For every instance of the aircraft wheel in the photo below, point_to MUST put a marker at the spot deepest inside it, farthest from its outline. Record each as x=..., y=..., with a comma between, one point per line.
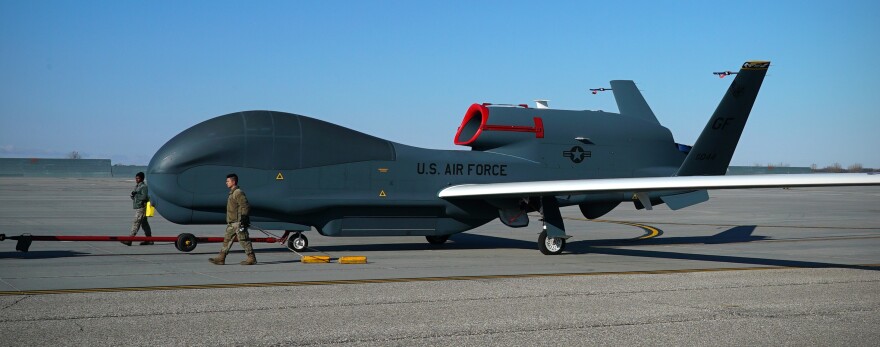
x=437, y=239
x=186, y=242
x=298, y=242
x=550, y=245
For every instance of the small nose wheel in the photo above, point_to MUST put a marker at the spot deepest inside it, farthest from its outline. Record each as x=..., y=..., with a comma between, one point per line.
x=550, y=245
x=437, y=239
x=298, y=242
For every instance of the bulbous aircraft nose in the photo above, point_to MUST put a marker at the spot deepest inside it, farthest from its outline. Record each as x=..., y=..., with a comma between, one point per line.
x=182, y=174
x=218, y=141
x=173, y=203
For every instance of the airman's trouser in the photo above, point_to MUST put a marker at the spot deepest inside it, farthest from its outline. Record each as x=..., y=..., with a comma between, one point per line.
x=243, y=239
x=140, y=220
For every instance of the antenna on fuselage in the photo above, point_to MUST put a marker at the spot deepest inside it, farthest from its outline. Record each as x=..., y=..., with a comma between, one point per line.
x=721, y=74
x=541, y=103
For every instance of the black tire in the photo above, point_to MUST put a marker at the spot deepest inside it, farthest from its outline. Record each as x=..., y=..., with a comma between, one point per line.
x=298, y=242
x=551, y=245
x=186, y=242
x=437, y=239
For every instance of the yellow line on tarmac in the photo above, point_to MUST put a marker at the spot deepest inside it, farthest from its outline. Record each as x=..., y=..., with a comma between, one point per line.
x=651, y=232
x=399, y=280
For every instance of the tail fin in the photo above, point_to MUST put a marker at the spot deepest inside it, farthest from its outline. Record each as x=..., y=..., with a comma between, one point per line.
x=630, y=101
x=714, y=148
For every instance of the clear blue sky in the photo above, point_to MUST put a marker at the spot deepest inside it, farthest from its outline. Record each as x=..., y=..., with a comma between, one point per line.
x=116, y=79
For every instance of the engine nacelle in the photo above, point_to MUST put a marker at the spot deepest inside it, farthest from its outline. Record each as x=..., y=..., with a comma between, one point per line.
x=508, y=125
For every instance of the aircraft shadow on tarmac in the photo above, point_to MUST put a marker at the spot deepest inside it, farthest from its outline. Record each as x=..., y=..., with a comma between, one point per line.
x=42, y=254
x=465, y=241
x=738, y=234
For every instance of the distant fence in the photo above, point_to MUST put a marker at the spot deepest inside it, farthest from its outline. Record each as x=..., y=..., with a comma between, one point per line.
x=38, y=167
x=127, y=170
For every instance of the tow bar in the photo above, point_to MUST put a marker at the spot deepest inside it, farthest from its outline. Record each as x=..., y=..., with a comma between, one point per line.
x=184, y=242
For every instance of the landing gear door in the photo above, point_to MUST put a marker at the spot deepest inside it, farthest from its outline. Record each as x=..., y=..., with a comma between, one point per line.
x=511, y=212
x=513, y=217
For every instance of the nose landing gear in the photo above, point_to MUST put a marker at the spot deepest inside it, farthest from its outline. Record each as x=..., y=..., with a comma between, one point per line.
x=437, y=239
x=298, y=242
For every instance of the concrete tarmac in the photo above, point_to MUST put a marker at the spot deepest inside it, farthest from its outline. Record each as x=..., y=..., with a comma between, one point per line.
x=806, y=260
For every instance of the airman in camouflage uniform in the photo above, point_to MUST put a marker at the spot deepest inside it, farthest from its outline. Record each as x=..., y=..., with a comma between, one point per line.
x=140, y=197
x=237, y=222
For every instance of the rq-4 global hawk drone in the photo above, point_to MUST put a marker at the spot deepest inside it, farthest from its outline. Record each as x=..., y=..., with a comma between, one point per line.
x=300, y=172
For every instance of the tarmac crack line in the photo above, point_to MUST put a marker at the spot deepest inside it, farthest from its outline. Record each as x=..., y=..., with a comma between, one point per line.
x=143, y=260
x=209, y=276
x=113, y=275
x=711, y=318
x=80, y=326
x=376, y=281
x=425, y=301
x=14, y=303
x=9, y=284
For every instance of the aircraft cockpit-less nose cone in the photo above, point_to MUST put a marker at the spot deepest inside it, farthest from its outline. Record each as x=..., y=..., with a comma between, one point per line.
x=187, y=174
x=300, y=172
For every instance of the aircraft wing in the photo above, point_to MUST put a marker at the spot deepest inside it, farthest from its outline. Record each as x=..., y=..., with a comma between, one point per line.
x=654, y=184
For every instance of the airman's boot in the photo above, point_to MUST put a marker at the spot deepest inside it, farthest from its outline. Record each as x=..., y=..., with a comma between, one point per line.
x=251, y=260
x=220, y=259
x=147, y=233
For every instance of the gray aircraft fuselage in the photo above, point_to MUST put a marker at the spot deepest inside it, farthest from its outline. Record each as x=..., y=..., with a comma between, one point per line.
x=299, y=172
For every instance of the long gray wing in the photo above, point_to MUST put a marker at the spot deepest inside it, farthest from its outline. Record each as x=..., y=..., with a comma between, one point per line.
x=653, y=184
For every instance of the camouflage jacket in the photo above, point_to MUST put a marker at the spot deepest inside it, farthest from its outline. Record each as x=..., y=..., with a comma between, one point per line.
x=236, y=205
x=141, y=196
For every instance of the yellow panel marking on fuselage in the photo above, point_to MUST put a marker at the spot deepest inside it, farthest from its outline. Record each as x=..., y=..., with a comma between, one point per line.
x=279, y=177
x=382, y=194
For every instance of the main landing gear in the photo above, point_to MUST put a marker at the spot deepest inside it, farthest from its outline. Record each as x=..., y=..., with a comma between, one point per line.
x=550, y=245
x=551, y=241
